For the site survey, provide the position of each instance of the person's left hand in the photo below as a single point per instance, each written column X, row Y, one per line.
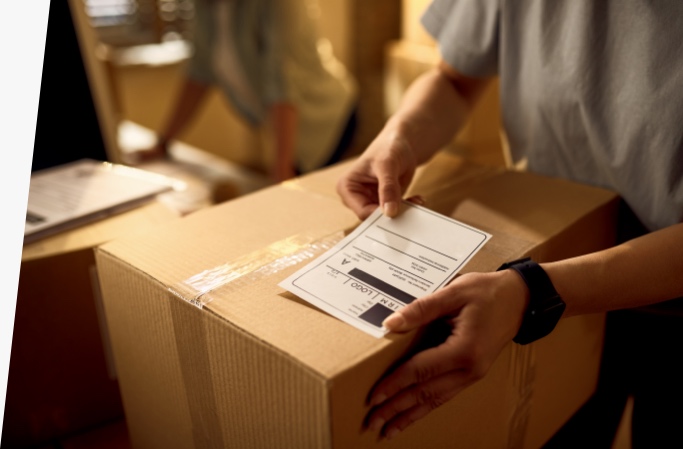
column 484, row 311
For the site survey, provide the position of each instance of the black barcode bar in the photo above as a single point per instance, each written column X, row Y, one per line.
column 376, row 314
column 382, row 286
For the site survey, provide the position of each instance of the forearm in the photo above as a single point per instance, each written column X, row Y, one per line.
column 284, row 117
column 188, row 100
column 639, row 272
column 433, row 110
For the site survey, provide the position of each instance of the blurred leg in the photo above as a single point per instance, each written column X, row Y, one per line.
column 658, row 391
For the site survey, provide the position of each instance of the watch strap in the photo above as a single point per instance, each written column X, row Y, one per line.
column 545, row 305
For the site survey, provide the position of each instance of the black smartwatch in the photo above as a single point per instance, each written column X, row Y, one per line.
column 545, row 305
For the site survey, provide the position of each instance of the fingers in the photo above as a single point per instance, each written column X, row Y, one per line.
column 358, row 192
column 426, row 381
column 379, row 177
column 415, row 402
column 449, row 356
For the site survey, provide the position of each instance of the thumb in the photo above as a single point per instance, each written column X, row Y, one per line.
column 418, row 313
column 389, row 188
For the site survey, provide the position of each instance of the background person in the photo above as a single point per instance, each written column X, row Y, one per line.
column 277, row 74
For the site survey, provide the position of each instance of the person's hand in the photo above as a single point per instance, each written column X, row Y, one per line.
column 379, row 177
column 157, row 152
column 483, row 311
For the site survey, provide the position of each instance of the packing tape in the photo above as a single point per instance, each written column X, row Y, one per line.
column 195, row 367
column 195, row 363
column 523, row 377
column 253, row 266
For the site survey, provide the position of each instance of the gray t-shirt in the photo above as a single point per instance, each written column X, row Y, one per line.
column 591, row 91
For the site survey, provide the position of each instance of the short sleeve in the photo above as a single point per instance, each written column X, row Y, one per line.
column 199, row 66
column 466, row 32
column 276, row 23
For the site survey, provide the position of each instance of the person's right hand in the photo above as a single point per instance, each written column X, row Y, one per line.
column 483, row 312
column 379, row 177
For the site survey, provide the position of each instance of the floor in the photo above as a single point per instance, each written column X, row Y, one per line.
column 110, row 436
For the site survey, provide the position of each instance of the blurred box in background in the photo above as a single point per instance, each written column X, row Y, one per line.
column 61, row 376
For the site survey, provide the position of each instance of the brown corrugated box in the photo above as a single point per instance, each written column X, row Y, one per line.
column 257, row 367
column 61, row 378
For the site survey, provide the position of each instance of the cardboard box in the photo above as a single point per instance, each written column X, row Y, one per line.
column 411, row 27
column 61, row 376
column 210, row 352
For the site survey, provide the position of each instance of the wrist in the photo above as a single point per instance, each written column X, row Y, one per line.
column 515, row 295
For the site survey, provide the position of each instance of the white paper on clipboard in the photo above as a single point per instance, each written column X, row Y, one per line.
column 385, row 264
column 82, row 191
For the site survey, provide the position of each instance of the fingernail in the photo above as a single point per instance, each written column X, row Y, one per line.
column 390, row 208
column 378, row 400
column 394, row 321
column 392, row 433
column 376, row 425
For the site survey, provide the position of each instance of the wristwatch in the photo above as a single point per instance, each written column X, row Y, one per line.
column 545, row 305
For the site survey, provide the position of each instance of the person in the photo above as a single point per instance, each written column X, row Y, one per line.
column 590, row 92
column 278, row 74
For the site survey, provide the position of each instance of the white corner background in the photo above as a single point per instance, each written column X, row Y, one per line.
column 22, row 45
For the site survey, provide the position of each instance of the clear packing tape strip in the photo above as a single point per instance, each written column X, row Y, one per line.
column 523, row 373
column 253, row 267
